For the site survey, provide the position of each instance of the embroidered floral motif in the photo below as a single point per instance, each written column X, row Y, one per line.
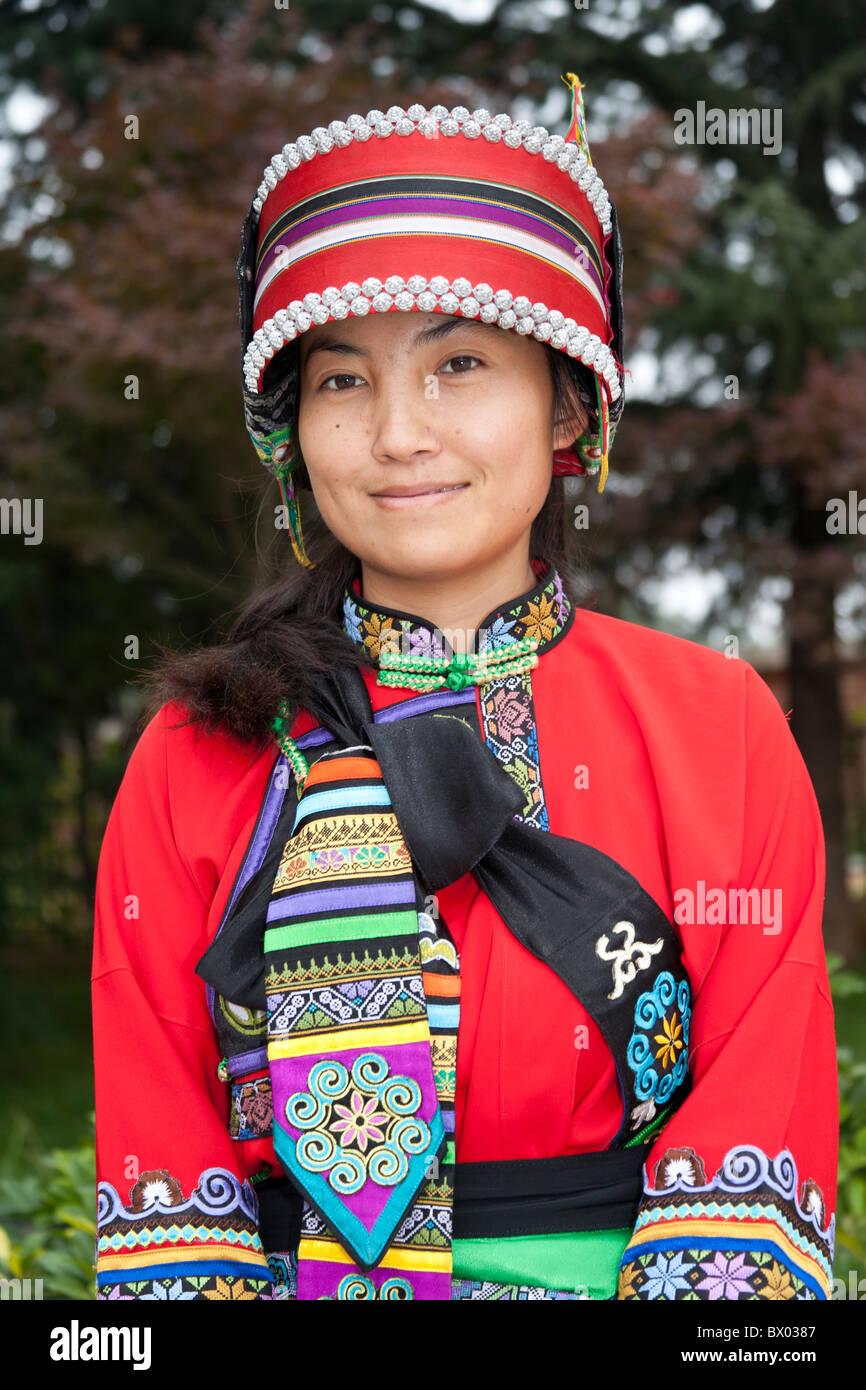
column 658, row 1051
column 509, row 729
column 680, row 1165
column 543, row 614
column 666, row 1276
column 374, row 1129
column 541, row 620
column 211, row 1287
column 778, row 1283
column 709, row 1274
column 153, row 1188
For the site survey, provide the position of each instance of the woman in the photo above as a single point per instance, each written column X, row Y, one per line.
column 454, row 941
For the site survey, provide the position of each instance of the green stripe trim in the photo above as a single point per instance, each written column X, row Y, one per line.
column 574, row 1262
column 322, row 930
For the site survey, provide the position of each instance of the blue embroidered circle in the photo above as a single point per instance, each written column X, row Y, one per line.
column 359, row 1286
column 371, row 1135
column 658, row 1051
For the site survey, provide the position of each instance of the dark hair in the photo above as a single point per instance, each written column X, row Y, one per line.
column 288, row 634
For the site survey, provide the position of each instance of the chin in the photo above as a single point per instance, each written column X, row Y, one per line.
column 420, row 561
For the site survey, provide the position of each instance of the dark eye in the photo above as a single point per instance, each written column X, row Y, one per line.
column 463, row 357
column 339, row 376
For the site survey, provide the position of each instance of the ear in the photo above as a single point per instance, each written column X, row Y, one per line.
column 564, row 434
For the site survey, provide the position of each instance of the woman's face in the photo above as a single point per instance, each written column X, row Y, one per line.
column 415, row 401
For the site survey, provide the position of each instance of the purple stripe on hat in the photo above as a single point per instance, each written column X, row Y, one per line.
column 423, row 205
column 325, row 900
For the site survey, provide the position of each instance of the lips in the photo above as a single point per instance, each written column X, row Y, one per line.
column 420, row 490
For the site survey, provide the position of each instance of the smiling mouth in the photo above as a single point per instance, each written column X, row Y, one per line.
column 428, row 492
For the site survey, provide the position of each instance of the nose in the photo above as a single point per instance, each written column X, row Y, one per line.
column 402, row 421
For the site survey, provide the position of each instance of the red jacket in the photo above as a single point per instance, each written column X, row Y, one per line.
column 669, row 757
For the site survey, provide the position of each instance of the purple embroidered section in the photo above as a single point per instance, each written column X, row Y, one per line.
column 257, row 848
column 423, row 704
column 361, row 897
column 247, row 1061
column 403, row 709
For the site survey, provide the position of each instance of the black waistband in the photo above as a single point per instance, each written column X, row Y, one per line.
column 509, row 1197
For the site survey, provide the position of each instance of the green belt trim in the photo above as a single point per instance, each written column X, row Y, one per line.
column 324, row 930
column 575, row 1262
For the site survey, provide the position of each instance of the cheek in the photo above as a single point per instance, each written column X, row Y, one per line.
column 328, row 445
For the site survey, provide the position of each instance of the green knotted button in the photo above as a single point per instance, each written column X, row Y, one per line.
column 460, row 671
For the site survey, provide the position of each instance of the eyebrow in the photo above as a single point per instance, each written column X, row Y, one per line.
column 422, row 338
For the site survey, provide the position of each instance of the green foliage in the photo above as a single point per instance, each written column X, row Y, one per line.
column 48, row 1213
column 851, row 1201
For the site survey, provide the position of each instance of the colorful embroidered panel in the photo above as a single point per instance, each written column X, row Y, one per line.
column 179, row 1288
column 284, row 1267
column 509, row 728
column 508, row 723
column 543, row 613
column 359, row 1044
column 194, row 1248
column 252, row 1108
column 745, row 1234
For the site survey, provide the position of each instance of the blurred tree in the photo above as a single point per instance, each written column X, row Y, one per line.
column 736, row 263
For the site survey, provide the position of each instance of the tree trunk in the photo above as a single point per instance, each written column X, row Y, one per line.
column 817, row 720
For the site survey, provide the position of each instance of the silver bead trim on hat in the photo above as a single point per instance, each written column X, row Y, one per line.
column 474, row 125
column 458, row 296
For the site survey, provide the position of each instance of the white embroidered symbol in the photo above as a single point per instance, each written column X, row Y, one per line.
column 631, row 957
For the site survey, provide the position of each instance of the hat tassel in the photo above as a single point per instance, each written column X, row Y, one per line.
column 293, row 512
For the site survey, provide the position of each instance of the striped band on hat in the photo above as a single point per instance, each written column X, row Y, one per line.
column 439, row 210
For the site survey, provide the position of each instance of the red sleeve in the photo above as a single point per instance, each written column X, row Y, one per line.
column 740, row 1186
column 177, row 1215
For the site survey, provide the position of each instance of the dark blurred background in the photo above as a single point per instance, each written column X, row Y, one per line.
column 133, row 135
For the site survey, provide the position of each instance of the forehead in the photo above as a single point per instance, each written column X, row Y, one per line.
column 412, row 329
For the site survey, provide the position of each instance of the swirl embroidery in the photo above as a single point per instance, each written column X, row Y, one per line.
column 660, row 1058
column 369, row 1135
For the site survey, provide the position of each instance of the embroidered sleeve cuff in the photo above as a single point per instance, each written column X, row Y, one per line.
column 747, row 1234
column 163, row 1247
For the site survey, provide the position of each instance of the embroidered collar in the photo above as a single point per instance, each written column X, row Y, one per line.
column 543, row 613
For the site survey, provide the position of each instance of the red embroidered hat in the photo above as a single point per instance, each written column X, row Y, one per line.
column 451, row 212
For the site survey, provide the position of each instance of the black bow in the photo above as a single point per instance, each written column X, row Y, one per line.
column 456, row 807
